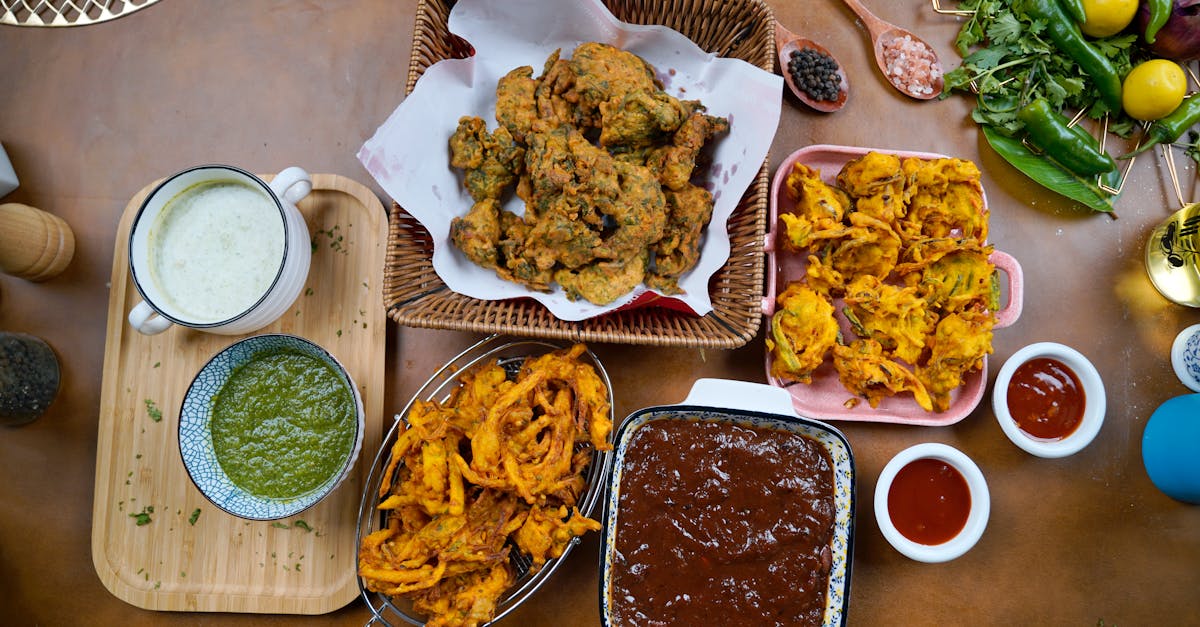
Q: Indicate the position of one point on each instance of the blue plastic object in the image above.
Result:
(1171, 448)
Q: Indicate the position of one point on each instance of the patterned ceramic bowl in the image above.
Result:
(759, 407)
(196, 438)
(1185, 357)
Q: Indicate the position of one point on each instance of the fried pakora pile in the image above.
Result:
(902, 243)
(603, 159)
(497, 467)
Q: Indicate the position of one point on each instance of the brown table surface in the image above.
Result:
(90, 115)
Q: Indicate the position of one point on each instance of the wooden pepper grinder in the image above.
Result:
(34, 245)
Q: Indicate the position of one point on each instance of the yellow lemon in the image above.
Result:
(1153, 89)
(1107, 17)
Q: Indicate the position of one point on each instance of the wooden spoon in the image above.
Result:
(882, 34)
(787, 42)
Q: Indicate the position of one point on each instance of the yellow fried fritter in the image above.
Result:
(803, 330)
(866, 372)
(958, 346)
(898, 318)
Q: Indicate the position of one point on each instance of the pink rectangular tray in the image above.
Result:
(825, 397)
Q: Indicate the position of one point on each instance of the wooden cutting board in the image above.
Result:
(213, 561)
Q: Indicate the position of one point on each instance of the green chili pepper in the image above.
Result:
(1070, 146)
(1074, 8)
(1067, 37)
(1160, 12)
(1048, 173)
(1167, 130)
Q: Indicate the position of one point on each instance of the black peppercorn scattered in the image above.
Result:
(815, 73)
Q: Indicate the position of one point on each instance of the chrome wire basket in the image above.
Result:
(53, 13)
(510, 354)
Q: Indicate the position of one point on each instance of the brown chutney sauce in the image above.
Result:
(721, 524)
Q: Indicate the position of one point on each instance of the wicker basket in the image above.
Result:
(415, 296)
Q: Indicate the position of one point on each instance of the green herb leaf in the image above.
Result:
(143, 517)
(194, 517)
(1047, 173)
(302, 525)
(1006, 29)
(153, 411)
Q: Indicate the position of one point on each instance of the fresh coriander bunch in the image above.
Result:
(1009, 61)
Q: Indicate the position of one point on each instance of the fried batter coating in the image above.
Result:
(594, 146)
(819, 207)
(491, 161)
(546, 534)
(958, 346)
(640, 119)
(866, 372)
(453, 521)
(465, 600)
(898, 318)
(675, 162)
(952, 275)
(516, 105)
(679, 248)
(869, 246)
(603, 282)
(477, 234)
(876, 181)
(945, 199)
(603, 73)
(803, 330)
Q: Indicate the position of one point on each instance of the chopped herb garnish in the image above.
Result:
(302, 525)
(143, 517)
(279, 525)
(339, 333)
(157, 364)
(153, 411)
(308, 292)
(194, 517)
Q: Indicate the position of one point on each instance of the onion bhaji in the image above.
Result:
(803, 330)
(902, 243)
(603, 159)
(496, 468)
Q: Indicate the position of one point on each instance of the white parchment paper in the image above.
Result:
(409, 155)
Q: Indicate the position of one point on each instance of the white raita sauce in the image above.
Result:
(215, 249)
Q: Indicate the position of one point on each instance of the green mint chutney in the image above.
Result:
(282, 424)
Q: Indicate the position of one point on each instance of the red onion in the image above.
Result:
(1179, 39)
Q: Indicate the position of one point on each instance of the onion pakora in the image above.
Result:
(902, 244)
(865, 370)
(803, 330)
(603, 159)
(496, 468)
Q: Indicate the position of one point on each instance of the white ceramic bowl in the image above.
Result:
(1094, 405)
(972, 530)
(196, 441)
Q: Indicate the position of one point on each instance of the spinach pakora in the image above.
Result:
(603, 159)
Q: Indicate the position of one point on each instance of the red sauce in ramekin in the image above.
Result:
(929, 501)
(1046, 399)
